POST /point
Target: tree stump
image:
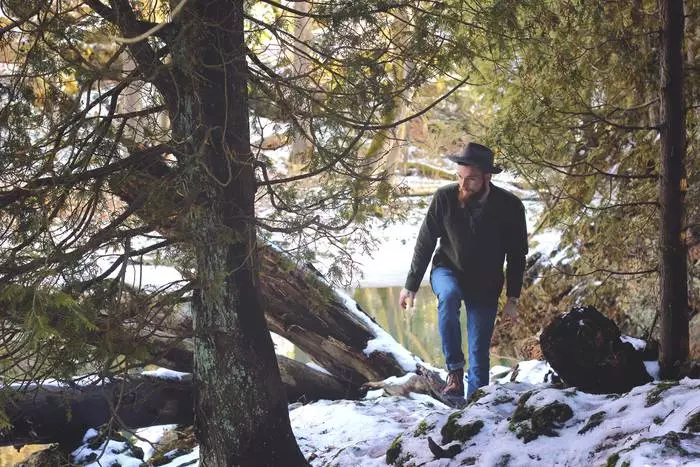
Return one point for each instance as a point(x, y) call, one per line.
point(585, 349)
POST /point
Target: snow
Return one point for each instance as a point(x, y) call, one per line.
point(147, 437)
point(638, 427)
point(164, 373)
point(108, 453)
point(647, 426)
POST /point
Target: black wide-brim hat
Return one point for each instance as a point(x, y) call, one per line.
point(479, 156)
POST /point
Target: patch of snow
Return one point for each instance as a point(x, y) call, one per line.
point(639, 344)
point(108, 453)
point(653, 369)
point(318, 367)
point(147, 437)
point(165, 373)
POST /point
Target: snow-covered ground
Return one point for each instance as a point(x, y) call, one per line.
point(520, 423)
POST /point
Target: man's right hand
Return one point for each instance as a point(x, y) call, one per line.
point(406, 298)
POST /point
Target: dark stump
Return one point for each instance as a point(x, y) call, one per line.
point(584, 348)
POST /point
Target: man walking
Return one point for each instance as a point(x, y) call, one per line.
point(479, 226)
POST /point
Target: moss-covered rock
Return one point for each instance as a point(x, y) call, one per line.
point(392, 454)
point(693, 423)
point(593, 421)
point(453, 431)
point(504, 460)
point(654, 395)
point(545, 419)
point(476, 395)
point(612, 460)
point(528, 423)
point(669, 445)
point(423, 428)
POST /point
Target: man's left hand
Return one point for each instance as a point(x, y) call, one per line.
point(510, 310)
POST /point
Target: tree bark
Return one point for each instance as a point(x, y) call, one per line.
point(241, 415)
point(673, 265)
point(302, 308)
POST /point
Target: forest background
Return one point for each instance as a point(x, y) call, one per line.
point(135, 129)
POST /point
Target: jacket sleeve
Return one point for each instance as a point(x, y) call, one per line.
point(516, 252)
point(430, 231)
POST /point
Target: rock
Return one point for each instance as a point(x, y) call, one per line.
point(584, 348)
point(442, 453)
point(529, 422)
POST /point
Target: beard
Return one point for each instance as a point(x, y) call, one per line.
point(465, 196)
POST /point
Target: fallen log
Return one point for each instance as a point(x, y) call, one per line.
point(61, 414)
point(304, 309)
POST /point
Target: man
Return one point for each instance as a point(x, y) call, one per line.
point(479, 226)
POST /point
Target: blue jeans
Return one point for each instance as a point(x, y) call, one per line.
point(481, 318)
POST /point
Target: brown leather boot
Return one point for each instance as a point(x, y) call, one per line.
point(455, 383)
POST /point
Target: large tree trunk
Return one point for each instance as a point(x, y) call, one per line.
point(673, 265)
point(241, 415)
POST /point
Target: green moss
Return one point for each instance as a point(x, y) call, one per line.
point(669, 444)
point(654, 396)
point(453, 431)
point(528, 423)
point(593, 421)
point(522, 412)
point(693, 423)
point(423, 428)
point(544, 419)
point(612, 460)
point(392, 454)
point(476, 395)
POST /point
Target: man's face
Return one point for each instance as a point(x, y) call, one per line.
point(471, 180)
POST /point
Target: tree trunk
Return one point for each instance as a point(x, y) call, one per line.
point(302, 147)
point(241, 415)
point(673, 265)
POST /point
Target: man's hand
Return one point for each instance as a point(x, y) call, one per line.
point(406, 298)
point(510, 310)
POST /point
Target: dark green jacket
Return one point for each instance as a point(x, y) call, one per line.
point(474, 247)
